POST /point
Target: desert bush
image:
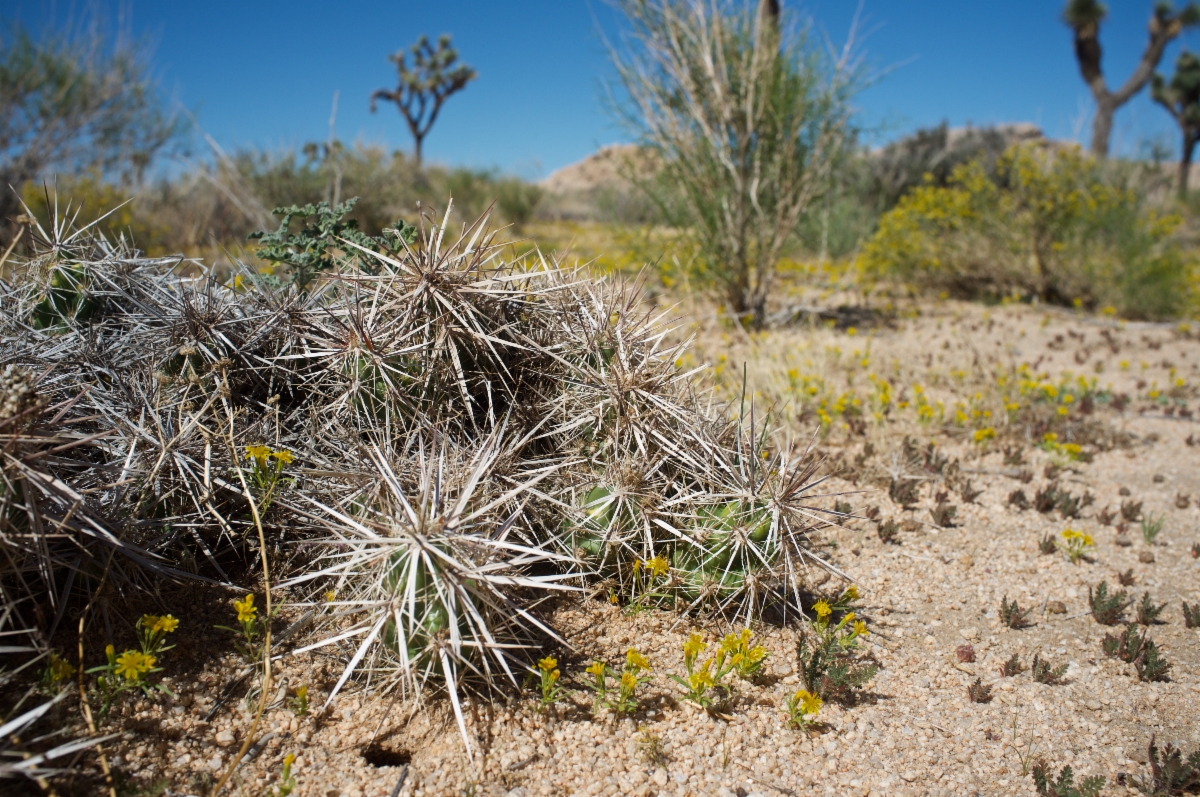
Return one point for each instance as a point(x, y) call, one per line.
point(1057, 226)
point(748, 120)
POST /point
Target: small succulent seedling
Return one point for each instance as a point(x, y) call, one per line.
point(802, 707)
point(1017, 499)
point(1045, 673)
point(979, 692)
point(1131, 511)
point(1108, 609)
point(1012, 667)
point(1152, 526)
point(1126, 579)
point(1147, 611)
point(1048, 545)
point(1191, 615)
point(1105, 518)
point(968, 493)
point(1013, 615)
point(843, 508)
point(1025, 476)
point(1171, 773)
point(1013, 456)
point(889, 531)
point(1064, 786)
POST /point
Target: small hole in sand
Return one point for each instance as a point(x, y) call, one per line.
point(378, 756)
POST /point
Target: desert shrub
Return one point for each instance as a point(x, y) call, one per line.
point(1058, 226)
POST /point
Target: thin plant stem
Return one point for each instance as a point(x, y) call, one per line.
point(262, 549)
point(87, 708)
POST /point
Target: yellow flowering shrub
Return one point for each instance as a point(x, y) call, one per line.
point(1059, 226)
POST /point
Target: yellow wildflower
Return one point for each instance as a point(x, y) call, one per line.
point(330, 595)
point(284, 456)
point(596, 668)
point(245, 609)
point(635, 659)
point(547, 664)
point(109, 651)
point(289, 759)
point(757, 654)
point(701, 679)
point(694, 646)
point(166, 624)
point(860, 628)
point(132, 664)
point(810, 702)
point(1070, 534)
point(259, 454)
point(851, 593)
point(822, 608)
point(302, 691)
point(59, 668)
point(658, 566)
point(983, 435)
point(628, 681)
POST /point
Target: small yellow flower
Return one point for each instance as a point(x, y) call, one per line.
point(628, 681)
point(1087, 540)
point(822, 608)
point(330, 595)
point(658, 566)
point(848, 617)
point(284, 456)
point(694, 646)
point(1070, 534)
point(701, 679)
point(860, 628)
point(302, 691)
point(59, 668)
point(166, 624)
point(109, 651)
point(635, 659)
point(245, 609)
point(810, 702)
point(259, 454)
point(132, 663)
point(547, 664)
point(596, 668)
point(289, 759)
point(983, 435)
point(851, 594)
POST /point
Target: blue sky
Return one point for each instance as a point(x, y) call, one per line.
point(262, 73)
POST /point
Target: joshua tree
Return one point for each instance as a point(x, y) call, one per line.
point(1084, 17)
point(425, 87)
point(1181, 97)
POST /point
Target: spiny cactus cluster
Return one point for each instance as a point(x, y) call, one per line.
point(465, 436)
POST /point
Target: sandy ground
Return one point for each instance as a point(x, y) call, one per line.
point(912, 732)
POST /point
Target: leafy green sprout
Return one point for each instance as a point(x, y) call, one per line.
point(1152, 526)
point(287, 781)
point(298, 703)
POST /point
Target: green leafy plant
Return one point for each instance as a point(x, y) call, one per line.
point(1127, 578)
point(1170, 773)
point(802, 708)
point(1108, 609)
point(1018, 499)
point(1147, 612)
point(943, 514)
point(1064, 786)
point(1044, 673)
point(828, 665)
point(320, 244)
point(1191, 615)
point(1152, 526)
point(701, 679)
point(889, 531)
point(1048, 545)
point(979, 692)
point(1012, 667)
point(56, 672)
point(650, 747)
point(1131, 511)
point(266, 473)
point(1137, 648)
point(1013, 615)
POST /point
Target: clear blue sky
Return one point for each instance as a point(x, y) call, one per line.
point(262, 73)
